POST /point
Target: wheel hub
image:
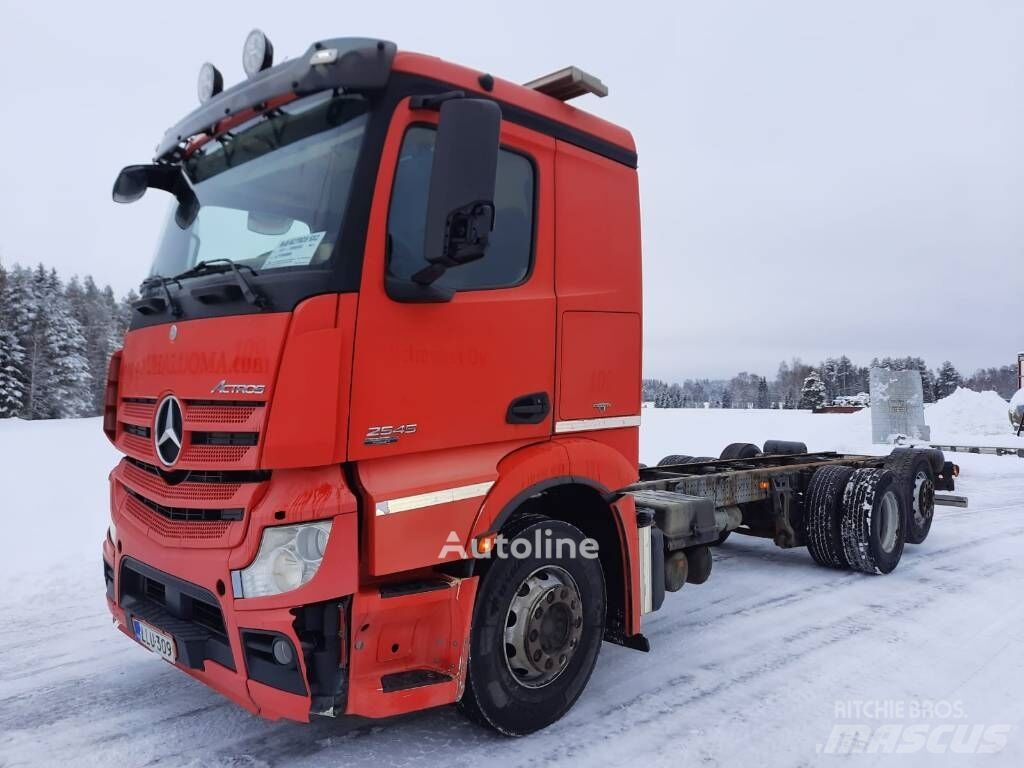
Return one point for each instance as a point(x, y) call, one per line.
point(924, 498)
point(890, 521)
point(543, 626)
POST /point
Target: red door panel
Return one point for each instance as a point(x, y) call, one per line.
point(433, 376)
point(600, 365)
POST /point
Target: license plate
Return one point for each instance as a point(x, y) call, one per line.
point(158, 642)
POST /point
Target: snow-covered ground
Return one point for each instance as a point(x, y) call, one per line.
point(754, 667)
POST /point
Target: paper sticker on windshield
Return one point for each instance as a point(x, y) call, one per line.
point(294, 251)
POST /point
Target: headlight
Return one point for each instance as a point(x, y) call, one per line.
point(289, 556)
point(112, 531)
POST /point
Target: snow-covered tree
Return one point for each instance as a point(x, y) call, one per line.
point(763, 401)
point(947, 380)
point(812, 393)
point(12, 389)
point(64, 384)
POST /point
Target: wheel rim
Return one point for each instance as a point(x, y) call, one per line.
point(543, 626)
point(890, 521)
point(924, 493)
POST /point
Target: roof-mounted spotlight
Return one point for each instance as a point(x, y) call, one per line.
point(258, 53)
point(210, 83)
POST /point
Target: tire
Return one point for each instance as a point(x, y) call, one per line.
point(700, 460)
point(783, 447)
point(505, 691)
point(916, 476)
point(935, 456)
point(674, 458)
point(874, 520)
point(823, 514)
point(740, 451)
point(721, 539)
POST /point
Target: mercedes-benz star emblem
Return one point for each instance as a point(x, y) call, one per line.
point(167, 430)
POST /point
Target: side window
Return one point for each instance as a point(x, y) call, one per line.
point(509, 253)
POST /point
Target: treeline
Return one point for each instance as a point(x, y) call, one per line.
point(55, 341)
point(800, 385)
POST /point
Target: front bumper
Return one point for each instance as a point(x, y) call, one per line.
point(232, 651)
point(182, 587)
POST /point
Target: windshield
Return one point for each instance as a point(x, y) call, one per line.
point(273, 191)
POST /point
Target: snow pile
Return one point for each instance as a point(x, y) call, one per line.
point(966, 412)
point(771, 636)
point(1016, 409)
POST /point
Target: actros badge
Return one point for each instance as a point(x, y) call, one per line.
point(222, 387)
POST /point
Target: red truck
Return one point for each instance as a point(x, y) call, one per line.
point(380, 399)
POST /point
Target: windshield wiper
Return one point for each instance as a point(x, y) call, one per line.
point(213, 266)
point(161, 282)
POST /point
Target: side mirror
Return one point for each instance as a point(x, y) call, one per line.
point(460, 206)
point(131, 183)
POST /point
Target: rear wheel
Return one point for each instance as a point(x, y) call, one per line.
point(740, 451)
point(874, 521)
point(916, 476)
point(783, 447)
point(674, 458)
point(823, 513)
point(537, 629)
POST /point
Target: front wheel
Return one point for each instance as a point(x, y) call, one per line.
point(538, 624)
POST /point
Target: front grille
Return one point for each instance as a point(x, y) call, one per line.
point(203, 476)
point(152, 484)
point(138, 408)
point(220, 412)
point(209, 439)
point(215, 454)
point(208, 534)
point(189, 514)
point(224, 438)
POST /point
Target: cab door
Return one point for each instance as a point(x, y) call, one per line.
point(467, 380)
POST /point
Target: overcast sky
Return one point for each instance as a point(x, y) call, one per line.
point(817, 177)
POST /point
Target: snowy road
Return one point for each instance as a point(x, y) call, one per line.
point(754, 667)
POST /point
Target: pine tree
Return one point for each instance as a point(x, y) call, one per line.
point(12, 390)
point(812, 393)
point(763, 401)
point(65, 390)
point(12, 356)
point(947, 380)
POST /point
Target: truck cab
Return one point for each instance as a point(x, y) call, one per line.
point(393, 317)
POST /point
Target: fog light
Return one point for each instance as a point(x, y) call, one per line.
point(283, 653)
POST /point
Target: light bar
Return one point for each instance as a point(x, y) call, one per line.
point(568, 83)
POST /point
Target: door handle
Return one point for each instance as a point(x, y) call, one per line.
point(529, 409)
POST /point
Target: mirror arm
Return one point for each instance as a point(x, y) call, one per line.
point(434, 101)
